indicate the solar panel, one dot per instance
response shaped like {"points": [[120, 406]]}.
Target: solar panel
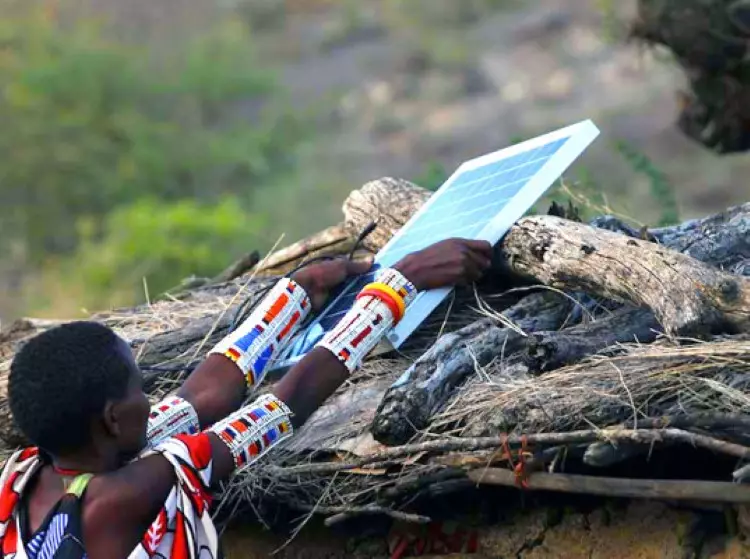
{"points": [[481, 200]]}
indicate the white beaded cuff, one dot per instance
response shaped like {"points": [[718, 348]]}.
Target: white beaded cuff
{"points": [[366, 323], [396, 280], [266, 331], [251, 431], [170, 417]]}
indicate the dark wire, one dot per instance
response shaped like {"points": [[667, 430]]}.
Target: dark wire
{"points": [[251, 302], [248, 305]]}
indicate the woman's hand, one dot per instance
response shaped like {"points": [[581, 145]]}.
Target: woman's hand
{"points": [[447, 263], [444, 264], [320, 278]]}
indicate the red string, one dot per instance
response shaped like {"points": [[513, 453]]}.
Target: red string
{"points": [[520, 469], [66, 472], [400, 549]]}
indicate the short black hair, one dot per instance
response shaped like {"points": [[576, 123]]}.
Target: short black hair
{"points": [[61, 379]]}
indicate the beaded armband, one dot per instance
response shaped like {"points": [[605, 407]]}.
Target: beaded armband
{"points": [[266, 331], [370, 318], [398, 282], [252, 430], [170, 417]]}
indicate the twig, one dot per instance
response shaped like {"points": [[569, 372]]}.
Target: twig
{"points": [[708, 420], [416, 482], [643, 436], [236, 296], [741, 473], [629, 393], [237, 268], [691, 490], [341, 514]]}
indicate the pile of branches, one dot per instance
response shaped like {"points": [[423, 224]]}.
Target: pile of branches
{"points": [[594, 344]]}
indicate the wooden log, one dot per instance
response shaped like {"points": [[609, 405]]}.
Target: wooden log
{"points": [[412, 400], [722, 239], [388, 201], [546, 351], [453, 444], [176, 347], [426, 386], [333, 241], [687, 297], [664, 489]]}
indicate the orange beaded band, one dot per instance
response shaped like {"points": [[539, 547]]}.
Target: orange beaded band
{"points": [[384, 298], [385, 289]]}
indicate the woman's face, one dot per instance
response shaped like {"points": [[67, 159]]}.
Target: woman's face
{"points": [[132, 410]]}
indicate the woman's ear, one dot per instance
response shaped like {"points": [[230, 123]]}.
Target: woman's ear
{"points": [[111, 419]]}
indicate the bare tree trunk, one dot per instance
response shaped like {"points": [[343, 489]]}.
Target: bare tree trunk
{"points": [[688, 297]]}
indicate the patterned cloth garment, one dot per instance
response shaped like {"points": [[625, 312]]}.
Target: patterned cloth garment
{"points": [[183, 529], [60, 536]]}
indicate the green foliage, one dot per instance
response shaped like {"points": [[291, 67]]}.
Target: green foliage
{"points": [[433, 176], [90, 124], [158, 242], [613, 29], [662, 191], [586, 192]]}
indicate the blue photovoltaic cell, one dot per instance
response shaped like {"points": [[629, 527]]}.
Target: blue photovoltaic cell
{"points": [[469, 205]]}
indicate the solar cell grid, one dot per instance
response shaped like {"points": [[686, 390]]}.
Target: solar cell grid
{"points": [[480, 200]]}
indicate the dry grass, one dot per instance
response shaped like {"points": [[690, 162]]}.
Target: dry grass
{"points": [[333, 463], [642, 381], [310, 473], [314, 473]]}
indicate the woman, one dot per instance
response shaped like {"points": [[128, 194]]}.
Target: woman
{"points": [[110, 477]]}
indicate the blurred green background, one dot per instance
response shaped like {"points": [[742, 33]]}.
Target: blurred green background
{"points": [[144, 142]]}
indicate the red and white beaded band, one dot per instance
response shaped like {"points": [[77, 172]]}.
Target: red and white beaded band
{"points": [[398, 282], [266, 331], [170, 417], [366, 323], [254, 429]]}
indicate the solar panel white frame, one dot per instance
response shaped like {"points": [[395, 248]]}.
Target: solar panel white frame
{"points": [[578, 137]]}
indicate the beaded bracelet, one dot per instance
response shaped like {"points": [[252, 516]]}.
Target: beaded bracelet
{"points": [[375, 311], [397, 281], [170, 417], [252, 430], [387, 295], [266, 331]]}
